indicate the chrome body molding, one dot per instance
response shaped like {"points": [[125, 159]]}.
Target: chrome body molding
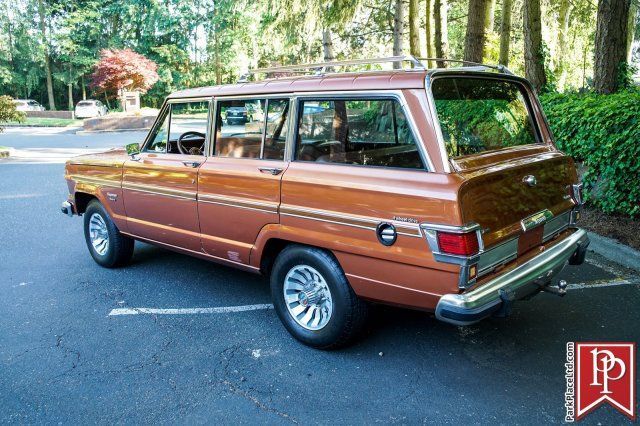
{"points": [[112, 183], [159, 190], [524, 280], [508, 250], [242, 203], [363, 222]]}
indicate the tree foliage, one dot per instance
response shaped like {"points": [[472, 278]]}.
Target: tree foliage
{"points": [[8, 111], [602, 132], [123, 70]]}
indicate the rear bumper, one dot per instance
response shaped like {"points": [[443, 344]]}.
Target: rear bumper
{"points": [[479, 303]]}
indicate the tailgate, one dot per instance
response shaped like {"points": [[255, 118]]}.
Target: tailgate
{"points": [[499, 198]]}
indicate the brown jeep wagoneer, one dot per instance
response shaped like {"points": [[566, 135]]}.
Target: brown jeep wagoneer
{"points": [[436, 189]]}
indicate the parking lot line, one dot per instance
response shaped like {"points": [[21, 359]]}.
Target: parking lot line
{"points": [[188, 311]]}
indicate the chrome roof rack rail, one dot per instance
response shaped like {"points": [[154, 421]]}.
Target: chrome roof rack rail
{"points": [[320, 68], [477, 65]]}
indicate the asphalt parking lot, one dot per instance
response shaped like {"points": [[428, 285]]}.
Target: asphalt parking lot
{"points": [[66, 357]]}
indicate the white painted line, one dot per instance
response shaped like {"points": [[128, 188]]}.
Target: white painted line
{"points": [[579, 286], [189, 311]]}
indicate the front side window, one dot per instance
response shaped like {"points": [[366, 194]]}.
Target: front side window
{"points": [[183, 129], [481, 114], [158, 142], [252, 128], [368, 132]]}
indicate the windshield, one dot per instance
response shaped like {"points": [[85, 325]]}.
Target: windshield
{"points": [[482, 114]]}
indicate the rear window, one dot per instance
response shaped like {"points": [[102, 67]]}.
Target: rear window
{"points": [[481, 114], [85, 103]]}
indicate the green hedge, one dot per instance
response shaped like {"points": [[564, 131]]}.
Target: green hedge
{"points": [[603, 132]]}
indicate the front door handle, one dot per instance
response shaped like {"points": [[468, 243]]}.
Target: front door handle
{"points": [[270, 170], [192, 164]]}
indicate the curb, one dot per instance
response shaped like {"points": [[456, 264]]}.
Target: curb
{"points": [[90, 132], [615, 251]]}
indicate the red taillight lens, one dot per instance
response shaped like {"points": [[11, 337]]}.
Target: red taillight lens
{"points": [[460, 244]]}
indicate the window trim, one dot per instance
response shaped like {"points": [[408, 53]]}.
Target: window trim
{"points": [[259, 97], [167, 106], [392, 95]]}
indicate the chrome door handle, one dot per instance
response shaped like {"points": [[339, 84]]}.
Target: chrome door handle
{"points": [[192, 164], [270, 170]]}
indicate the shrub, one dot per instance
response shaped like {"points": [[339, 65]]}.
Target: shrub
{"points": [[602, 132], [8, 111]]}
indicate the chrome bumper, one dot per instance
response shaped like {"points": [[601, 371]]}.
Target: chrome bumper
{"points": [[67, 208], [526, 279]]}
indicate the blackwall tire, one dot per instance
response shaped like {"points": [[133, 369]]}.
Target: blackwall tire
{"points": [[314, 300], [108, 247]]}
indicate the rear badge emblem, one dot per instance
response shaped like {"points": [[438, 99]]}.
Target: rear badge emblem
{"points": [[530, 180], [535, 219]]}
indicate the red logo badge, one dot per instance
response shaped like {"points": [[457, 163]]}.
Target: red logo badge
{"points": [[603, 372]]}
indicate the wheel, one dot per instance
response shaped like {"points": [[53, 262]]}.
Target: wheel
{"points": [[108, 247], [313, 298]]}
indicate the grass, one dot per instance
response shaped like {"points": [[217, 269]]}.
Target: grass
{"points": [[48, 122]]}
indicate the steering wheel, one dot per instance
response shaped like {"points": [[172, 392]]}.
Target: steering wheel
{"points": [[187, 135]]}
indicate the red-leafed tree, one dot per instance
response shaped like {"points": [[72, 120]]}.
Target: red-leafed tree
{"points": [[123, 70]]}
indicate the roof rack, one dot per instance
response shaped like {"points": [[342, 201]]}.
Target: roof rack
{"points": [[321, 68]]}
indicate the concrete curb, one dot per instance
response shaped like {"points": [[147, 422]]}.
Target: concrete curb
{"points": [[615, 251], [91, 132]]}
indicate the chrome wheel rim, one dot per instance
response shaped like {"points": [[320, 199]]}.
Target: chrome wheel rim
{"points": [[98, 234], [307, 297]]}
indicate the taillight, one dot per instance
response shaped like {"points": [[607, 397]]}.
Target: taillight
{"points": [[458, 244], [577, 194]]}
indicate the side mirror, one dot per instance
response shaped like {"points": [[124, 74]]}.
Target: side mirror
{"points": [[133, 149]]}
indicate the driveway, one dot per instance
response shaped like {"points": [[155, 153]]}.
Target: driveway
{"points": [[76, 347]]}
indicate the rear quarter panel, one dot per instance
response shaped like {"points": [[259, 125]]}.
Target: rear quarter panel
{"points": [[338, 207]]}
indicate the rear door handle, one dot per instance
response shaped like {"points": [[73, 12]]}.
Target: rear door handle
{"points": [[270, 170], [192, 164]]}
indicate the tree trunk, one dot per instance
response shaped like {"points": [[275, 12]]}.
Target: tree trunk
{"points": [[84, 88], [489, 15], [398, 30], [505, 32], [633, 10], [441, 33], [429, 31], [47, 59], [414, 28], [533, 57], [475, 37], [327, 46], [70, 92], [611, 44], [561, 51]]}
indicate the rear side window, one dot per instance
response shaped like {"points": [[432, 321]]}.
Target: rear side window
{"points": [[366, 132], [252, 128], [480, 114]]}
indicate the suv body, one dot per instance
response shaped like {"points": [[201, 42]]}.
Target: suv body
{"points": [[90, 108], [28, 105], [377, 186]]}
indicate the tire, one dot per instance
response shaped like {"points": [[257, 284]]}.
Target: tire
{"points": [[114, 250], [322, 330]]}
